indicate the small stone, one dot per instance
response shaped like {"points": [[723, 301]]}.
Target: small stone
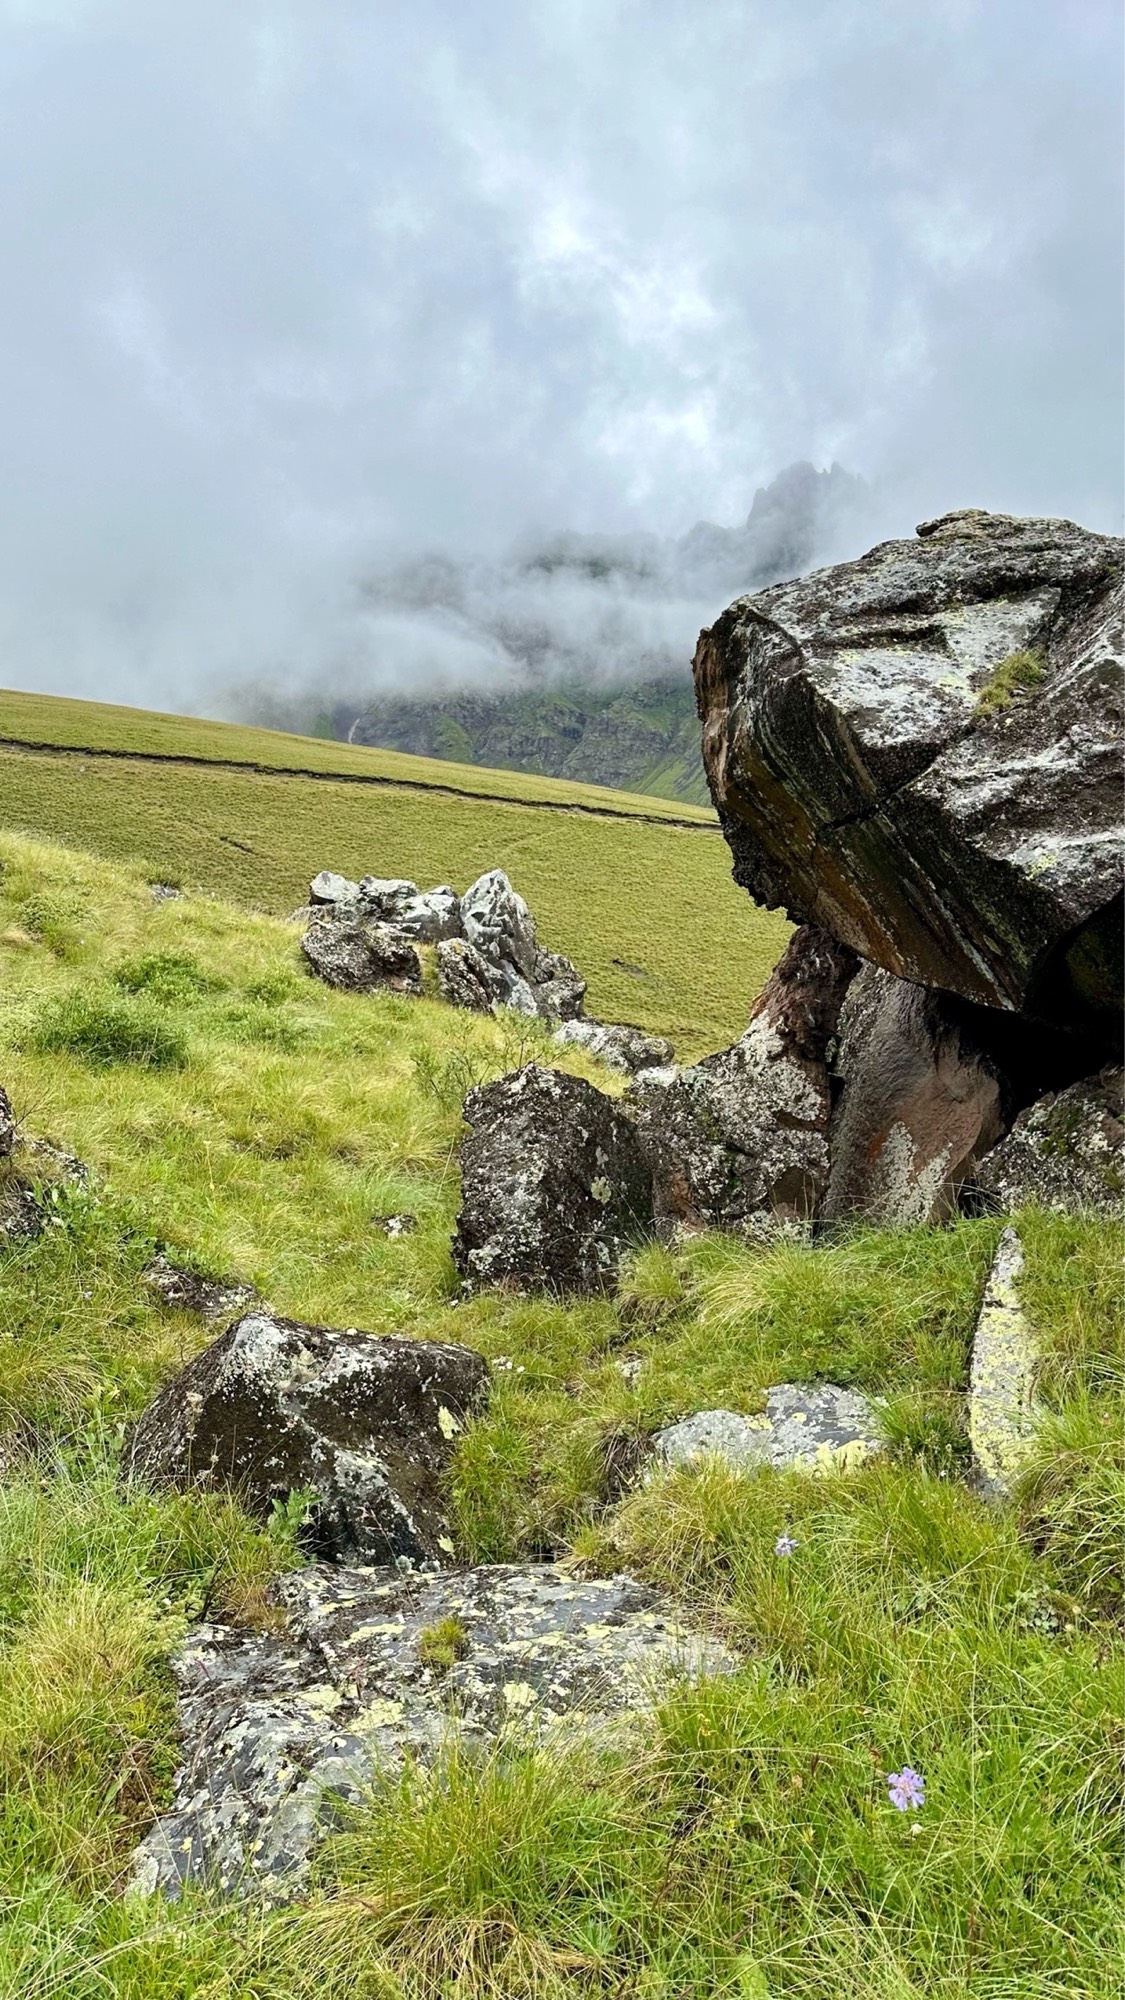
{"points": [[807, 1427], [212, 1298], [329, 888], [163, 892], [7, 1125], [1002, 1376], [395, 1226]]}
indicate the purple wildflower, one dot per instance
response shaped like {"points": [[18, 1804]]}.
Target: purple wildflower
{"points": [[906, 1789], [785, 1546]]}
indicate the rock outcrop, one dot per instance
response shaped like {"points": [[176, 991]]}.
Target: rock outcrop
{"points": [[359, 956], [920, 752], [554, 1186], [1067, 1152], [807, 1427], [367, 1422], [745, 1132], [279, 1731], [500, 927]]}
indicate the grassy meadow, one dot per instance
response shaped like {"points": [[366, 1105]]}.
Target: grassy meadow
{"points": [[237, 1112], [644, 906]]}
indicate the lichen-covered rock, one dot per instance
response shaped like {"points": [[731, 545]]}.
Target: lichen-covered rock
{"points": [[1002, 1375], [920, 752], [1065, 1152], [464, 978], [619, 1046], [361, 957], [554, 1187], [331, 890], [499, 924], [368, 1422], [34, 1173], [745, 1132], [7, 1125], [921, 1103], [212, 1298], [558, 989], [807, 1427], [430, 916], [277, 1732]]}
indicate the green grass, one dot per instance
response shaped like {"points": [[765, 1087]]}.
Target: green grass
{"points": [[1018, 674], [647, 910], [747, 1846]]}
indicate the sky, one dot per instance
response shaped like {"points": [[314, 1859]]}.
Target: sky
{"points": [[291, 294]]}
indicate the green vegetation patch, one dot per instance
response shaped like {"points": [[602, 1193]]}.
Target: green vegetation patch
{"points": [[1017, 675]]}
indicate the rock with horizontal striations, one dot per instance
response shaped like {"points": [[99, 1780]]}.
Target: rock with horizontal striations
{"points": [[619, 1046], [745, 1133], [807, 1427], [554, 1186], [362, 957], [921, 1102], [367, 1422], [279, 1731], [464, 978], [1002, 1376], [920, 752], [1065, 1152]]}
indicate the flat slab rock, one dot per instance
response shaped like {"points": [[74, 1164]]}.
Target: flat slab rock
{"points": [[278, 1732], [806, 1427], [1002, 1376]]}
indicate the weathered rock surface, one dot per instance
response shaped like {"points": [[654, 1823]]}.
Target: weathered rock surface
{"points": [[920, 752], [745, 1132], [921, 1103], [498, 924], [619, 1046], [807, 1427], [366, 1421], [1002, 1376], [361, 957], [464, 977], [332, 890], [33, 1174], [278, 1731], [7, 1125], [1065, 1152], [554, 1186], [212, 1298]]}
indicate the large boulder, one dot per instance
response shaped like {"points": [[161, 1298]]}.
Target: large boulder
{"points": [[361, 957], [279, 1731], [921, 1102], [554, 1186], [367, 1422], [1064, 1152], [745, 1132], [920, 752]]}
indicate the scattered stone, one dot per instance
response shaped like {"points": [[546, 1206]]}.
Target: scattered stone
{"points": [[554, 1186], [920, 751], [7, 1125], [807, 1427], [279, 1732], [921, 1104], [395, 1226], [1065, 1152], [32, 1173], [163, 892], [213, 1299], [360, 957], [620, 1047], [559, 993], [745, 1132], [464, 979], [1002, 1376], [22, 1213], [383, 896], [366, 1421]]}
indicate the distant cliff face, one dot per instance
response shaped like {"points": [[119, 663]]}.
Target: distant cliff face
{"points": [[637, 739]]}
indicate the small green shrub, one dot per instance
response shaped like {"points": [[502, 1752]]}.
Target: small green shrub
{"points": [[1019, 674], [170, 978], [103, 1030], [440, 1646]]}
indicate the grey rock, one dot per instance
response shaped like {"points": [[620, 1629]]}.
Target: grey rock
{"points": [[431, 916], [368, 1422], [33, 1172], [395, 1226], [362, 957], [554, 1187], [278, 1732], [921, 1102], [499, 924], [745, 1132], [807, 1427], [1064, 1152], [164, 892], [1002, 1376], [212, 1298], [920, 752], [464, 978], [7, 1125], [560, 992], [383, 896], [329, 889], [619, 1046]]}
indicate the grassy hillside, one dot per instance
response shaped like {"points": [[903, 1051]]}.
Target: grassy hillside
{"points": [[235, 1109], [644, 905]]}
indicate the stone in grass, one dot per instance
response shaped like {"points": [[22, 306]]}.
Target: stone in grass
{"points": [[807, 1427], [1065, 1152], [1002, 1376], [394, 1226], [212, 1298], [279, 1731], [362, 957], [367, 1422], [554, 1186], [7, 1125]]}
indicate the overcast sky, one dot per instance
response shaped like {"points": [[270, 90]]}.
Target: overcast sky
{"points": [[283, 285]]}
